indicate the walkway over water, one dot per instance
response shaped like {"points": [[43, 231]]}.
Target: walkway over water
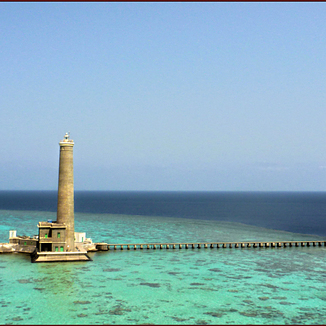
{"points": [[198, 245]]}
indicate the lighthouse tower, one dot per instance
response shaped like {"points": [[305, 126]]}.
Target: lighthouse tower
{"points": [[65, 211], [56, 240]]}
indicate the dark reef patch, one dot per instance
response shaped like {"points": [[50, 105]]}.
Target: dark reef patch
{"points": [[194, 284], [248, 313], [286, 303], [215, 314], [178, 319], [279, 298], [24, 281], [118, 311], [111, 269], [270, 286], [152, 285], [201, 322], [248, 301], [174, 273]]}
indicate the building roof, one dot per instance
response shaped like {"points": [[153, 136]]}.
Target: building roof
{"points": [[53, 225]]}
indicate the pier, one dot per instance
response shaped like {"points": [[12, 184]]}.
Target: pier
{"points": [[205, 245]]}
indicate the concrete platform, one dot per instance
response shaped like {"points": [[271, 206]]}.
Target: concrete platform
{"points": [[15, 248], [8, 247], [47, 257]]}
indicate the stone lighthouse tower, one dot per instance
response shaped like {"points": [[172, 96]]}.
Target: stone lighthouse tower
{"points": [[65, 211], [56, 240]]}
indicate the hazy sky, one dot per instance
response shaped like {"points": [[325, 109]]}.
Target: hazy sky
{"points": [[164, 96]]}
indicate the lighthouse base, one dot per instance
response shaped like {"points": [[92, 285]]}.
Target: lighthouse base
{"points": [[49, 257]]}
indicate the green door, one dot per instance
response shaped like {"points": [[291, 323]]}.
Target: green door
{"points": [[56, 249], [61, 248]]}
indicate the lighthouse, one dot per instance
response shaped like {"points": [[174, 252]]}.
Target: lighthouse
{"points": [[65, 210], [56, 239]]}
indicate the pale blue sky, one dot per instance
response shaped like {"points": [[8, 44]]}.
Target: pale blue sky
{"points": [[164, 96]]}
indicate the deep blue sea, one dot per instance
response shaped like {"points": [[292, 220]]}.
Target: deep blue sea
{"points": [[197, 286], [299, 212]]}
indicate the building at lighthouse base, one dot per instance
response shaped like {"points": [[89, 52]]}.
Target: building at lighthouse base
{"points": [[52, 245], [49, 245]]}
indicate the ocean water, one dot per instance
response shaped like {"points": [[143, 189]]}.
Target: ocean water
{"points": [[194, 286]]}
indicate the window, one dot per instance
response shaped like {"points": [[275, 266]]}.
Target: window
{"points": [[45, 235], [25, 243], [61, 248], [59, 235], [56, 249]]}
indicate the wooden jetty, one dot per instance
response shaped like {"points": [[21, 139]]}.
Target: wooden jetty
{"points": [[198, 245]]}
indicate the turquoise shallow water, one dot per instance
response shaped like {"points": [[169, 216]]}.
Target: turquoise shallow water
{"points": [[194, 286]]}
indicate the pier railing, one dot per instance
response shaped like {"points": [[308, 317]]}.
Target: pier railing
{"points": [[198, 245]]}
